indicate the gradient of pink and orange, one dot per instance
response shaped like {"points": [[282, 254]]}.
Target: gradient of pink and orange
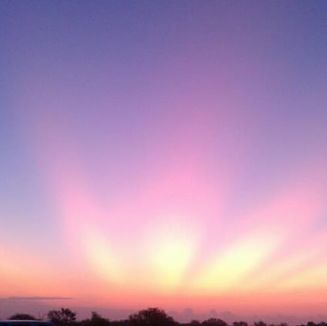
{"points": [[179, 166]]}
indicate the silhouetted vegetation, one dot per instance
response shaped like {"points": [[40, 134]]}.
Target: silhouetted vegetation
{"points": [[151, 316], [260, 323], [22, 317], [62, 317], [96, 320], [146, 317], [214, 322], [240, 323]]}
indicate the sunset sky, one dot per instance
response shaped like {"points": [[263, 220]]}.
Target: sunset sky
{"points": [[165, 153]]}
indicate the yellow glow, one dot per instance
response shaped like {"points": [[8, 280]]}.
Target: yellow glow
{"points": [[171, 249], [312, 278], [101, 257], [171, 260], [231, 268], [277, 274]]}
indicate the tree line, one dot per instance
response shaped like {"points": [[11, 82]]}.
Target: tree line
{"points": [[146, 317]]}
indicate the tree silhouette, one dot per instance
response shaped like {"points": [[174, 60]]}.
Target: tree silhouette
{"points": [[195, 322], [214, 322], [260, 323], [62, 317], [151, 317], [98, 320], [240, 323], [22, 317]]}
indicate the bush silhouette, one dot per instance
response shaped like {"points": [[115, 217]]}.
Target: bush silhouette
{"points": [[151, 317], [240, 323], [62, 317], [22, 317], [98, 320], [260, 323], [214, 322]]}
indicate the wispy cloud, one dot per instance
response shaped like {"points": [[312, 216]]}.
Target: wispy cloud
{"points": [[36, 298]]}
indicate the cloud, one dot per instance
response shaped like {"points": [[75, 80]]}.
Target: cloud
{"points": [[36, 298]]}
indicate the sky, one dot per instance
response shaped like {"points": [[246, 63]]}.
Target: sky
{"points": [[164, 153]]}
